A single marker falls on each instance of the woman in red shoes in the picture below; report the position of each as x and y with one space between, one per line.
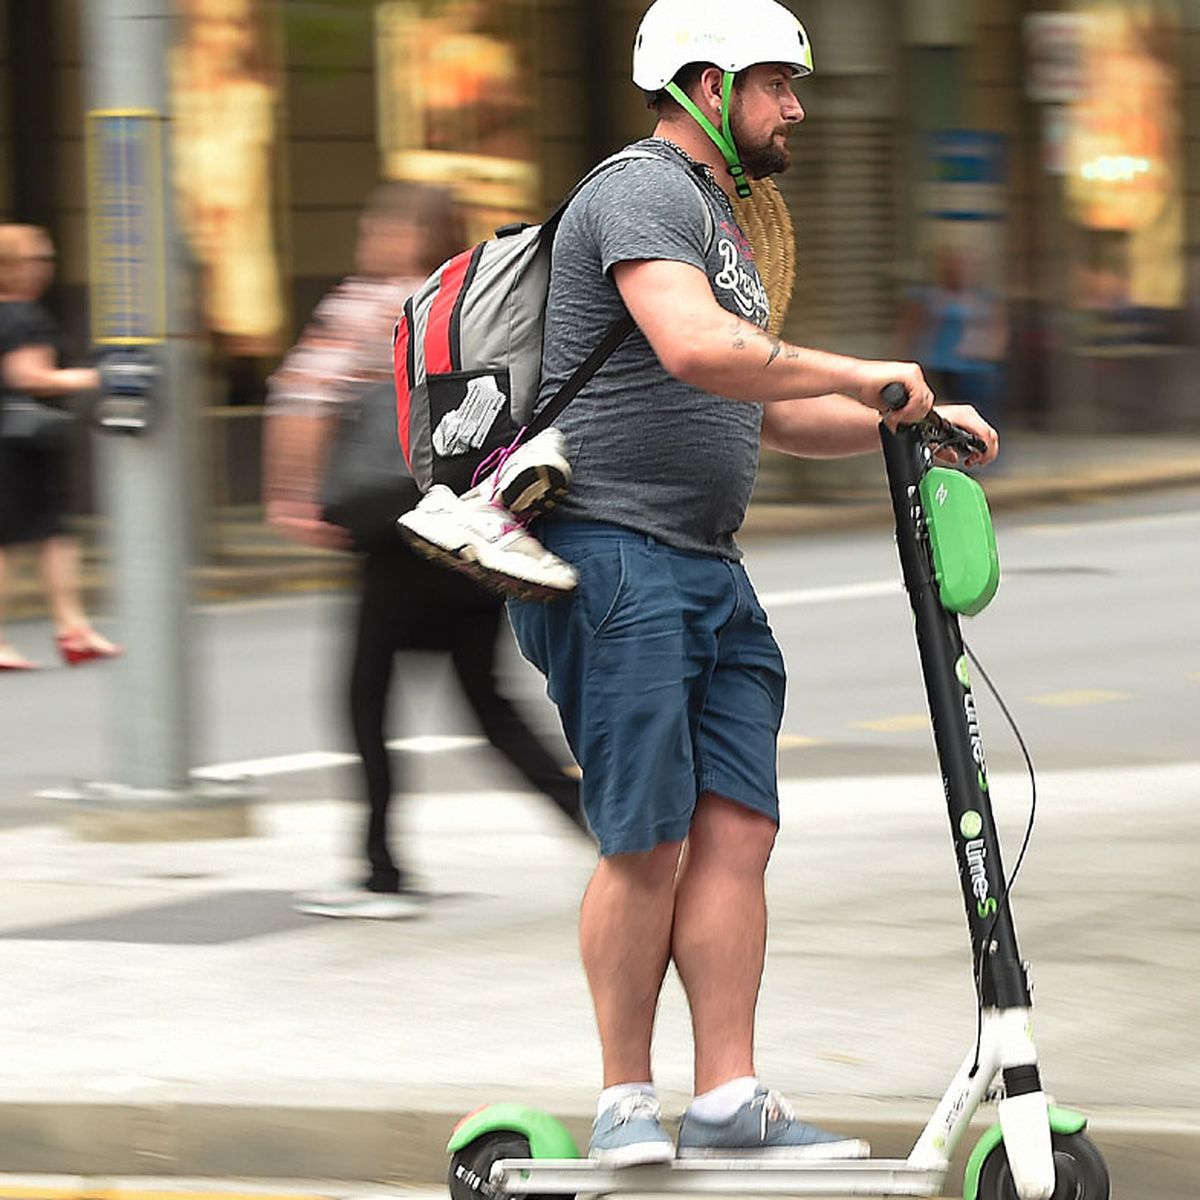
33 462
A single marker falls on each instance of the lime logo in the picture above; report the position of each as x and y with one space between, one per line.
941 495
971 824
973 734
960 669
976 866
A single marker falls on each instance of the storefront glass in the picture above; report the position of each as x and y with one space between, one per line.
1123 173
455 101
224 101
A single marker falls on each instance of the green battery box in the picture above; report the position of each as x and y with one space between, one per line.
962 539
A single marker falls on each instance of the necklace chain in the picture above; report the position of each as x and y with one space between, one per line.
702 170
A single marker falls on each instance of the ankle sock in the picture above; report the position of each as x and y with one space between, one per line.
618 1091
723 1101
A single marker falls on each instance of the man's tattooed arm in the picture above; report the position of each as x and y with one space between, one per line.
778 347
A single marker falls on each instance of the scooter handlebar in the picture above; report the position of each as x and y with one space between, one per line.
933 427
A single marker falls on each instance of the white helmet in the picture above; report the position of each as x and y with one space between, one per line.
732 34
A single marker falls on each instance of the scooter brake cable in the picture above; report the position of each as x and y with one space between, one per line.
1006 890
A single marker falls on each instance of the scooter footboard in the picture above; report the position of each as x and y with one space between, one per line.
730 1177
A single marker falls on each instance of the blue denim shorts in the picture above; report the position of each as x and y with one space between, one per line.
667 678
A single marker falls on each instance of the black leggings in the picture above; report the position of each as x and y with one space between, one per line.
407 603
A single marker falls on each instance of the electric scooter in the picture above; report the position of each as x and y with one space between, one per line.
1036 1150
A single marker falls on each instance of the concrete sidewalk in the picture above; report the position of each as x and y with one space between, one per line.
247 558
167 1012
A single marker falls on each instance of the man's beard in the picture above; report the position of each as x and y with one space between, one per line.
769 158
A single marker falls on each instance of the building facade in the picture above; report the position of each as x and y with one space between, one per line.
1041 160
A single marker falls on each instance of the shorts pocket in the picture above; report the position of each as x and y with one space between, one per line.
603 585
627 595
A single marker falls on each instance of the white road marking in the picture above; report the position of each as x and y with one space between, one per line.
831 595
319 760
283 764
1054 530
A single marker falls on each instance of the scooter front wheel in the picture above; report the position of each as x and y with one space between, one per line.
1079 1171
471 1167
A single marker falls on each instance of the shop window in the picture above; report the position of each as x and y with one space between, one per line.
455 89
223 98
1123 175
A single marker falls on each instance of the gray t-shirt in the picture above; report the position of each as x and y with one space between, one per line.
649 451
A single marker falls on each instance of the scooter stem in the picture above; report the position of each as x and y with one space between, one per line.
1002 979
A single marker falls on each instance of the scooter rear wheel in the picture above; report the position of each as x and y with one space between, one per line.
1079 1171
471 1167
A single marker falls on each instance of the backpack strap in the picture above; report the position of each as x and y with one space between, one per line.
618 331
624 325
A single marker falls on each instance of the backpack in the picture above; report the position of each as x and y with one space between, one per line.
468 349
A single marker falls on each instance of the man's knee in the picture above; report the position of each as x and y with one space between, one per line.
739 837
652 870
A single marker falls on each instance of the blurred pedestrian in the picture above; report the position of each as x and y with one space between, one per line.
956 327
405 602
34 446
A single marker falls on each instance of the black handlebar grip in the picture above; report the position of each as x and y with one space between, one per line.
895 395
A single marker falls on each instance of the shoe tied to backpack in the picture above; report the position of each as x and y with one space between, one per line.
528 478
474 534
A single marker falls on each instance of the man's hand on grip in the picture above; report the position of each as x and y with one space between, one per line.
873 377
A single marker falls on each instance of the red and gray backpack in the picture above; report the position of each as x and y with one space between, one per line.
468 349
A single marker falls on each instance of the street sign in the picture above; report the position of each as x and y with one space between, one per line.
125 227
966 176
1054 56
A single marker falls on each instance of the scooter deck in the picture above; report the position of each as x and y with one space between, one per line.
728 1176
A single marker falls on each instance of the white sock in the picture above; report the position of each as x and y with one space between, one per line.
618 1091
722 1102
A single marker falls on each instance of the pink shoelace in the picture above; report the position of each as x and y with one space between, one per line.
494 464
496 460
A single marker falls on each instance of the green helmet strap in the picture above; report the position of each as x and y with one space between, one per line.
723 137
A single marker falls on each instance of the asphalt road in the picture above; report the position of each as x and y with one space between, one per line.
1090 640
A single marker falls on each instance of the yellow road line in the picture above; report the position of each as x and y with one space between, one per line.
900 724
797 741
1079 698
848 1060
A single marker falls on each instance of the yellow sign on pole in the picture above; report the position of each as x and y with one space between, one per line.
127 249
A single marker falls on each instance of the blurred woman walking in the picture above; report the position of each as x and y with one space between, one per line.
34 445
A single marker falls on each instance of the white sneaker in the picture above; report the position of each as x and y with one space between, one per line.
474 534
533 478
359 902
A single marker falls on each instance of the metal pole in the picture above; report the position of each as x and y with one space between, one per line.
143 320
